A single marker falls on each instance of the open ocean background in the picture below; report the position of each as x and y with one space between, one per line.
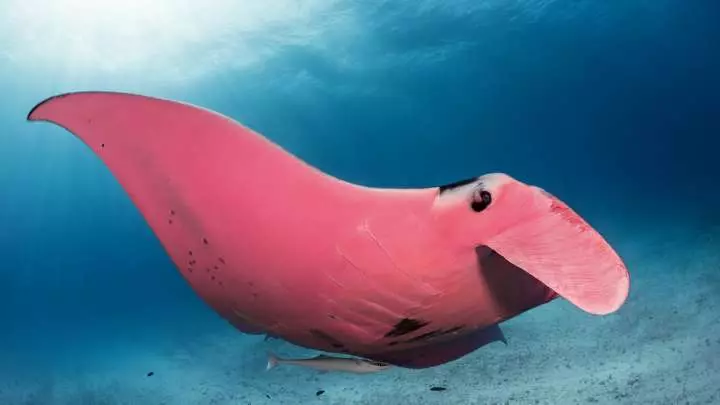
613 106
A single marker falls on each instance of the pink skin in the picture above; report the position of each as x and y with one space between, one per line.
274 245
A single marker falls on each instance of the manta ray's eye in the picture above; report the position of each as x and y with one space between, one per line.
481 200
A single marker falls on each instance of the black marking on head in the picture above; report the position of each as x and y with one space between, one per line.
481 200
327 338
405 326
456 184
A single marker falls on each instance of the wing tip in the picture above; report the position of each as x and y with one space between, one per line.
32 115
35 112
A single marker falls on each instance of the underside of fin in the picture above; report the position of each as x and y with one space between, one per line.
443 352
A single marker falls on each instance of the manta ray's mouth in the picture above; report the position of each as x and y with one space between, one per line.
513 289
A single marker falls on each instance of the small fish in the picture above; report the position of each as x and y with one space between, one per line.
330 363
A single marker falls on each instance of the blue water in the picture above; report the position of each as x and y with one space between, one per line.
613 106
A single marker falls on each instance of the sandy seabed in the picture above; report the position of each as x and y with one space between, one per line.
662 347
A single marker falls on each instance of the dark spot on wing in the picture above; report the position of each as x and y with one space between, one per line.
320 392
434 334
454 329
436 388
405 326
425 336
456 184
150 374
327 338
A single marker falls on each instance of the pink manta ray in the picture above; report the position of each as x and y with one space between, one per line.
412 277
